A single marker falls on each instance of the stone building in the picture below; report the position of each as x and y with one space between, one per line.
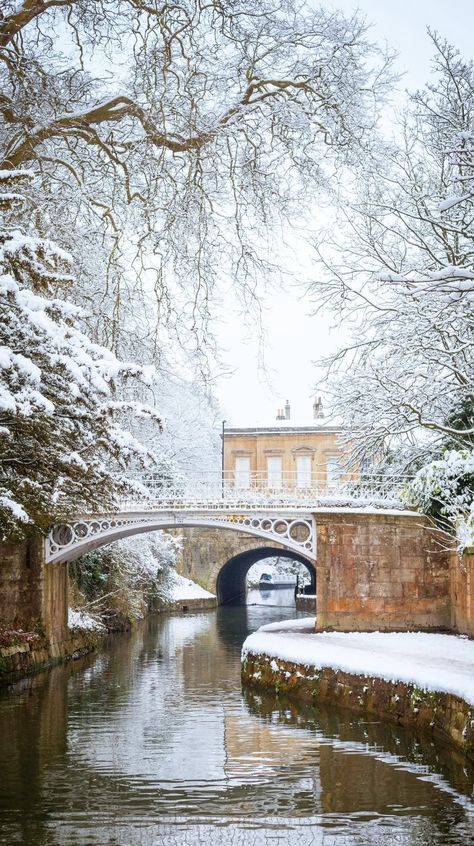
286 454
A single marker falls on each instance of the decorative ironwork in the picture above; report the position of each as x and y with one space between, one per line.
67 541
212 490
281 514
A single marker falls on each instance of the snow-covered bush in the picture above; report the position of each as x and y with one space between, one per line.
445 490
147 562
83 621
62 444
128 575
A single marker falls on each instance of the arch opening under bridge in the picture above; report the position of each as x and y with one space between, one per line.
231 580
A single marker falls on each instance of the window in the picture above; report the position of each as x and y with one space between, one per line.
274 472
242 472
333 468
303 471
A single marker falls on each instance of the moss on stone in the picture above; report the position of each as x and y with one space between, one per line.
439 714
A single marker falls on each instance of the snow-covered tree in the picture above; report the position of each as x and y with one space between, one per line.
402 282
63 445
190 442
444 488
171 139
404 278
126 576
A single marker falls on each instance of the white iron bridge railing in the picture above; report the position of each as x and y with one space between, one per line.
229 491
281 510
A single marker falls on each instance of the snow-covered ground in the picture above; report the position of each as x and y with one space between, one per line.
183 588
435 662
82 620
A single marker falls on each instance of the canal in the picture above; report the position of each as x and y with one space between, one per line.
153 741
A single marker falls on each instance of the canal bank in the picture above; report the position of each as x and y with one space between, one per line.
27 652
414 679
23 653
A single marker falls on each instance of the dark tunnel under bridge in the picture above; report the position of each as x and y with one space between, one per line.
231 579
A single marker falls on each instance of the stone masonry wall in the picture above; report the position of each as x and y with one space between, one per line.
462 592
205 551
33 595
379 571
55 605
374 571
21 584
440 714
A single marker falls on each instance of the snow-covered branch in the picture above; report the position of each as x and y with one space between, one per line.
62 445
174 172
401 278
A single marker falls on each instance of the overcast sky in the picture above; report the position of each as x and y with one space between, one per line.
295 340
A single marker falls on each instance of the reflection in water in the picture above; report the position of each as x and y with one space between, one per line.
154 741
279 597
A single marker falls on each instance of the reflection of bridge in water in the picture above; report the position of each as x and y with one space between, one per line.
283 514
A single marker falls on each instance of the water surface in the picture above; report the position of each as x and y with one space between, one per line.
153 741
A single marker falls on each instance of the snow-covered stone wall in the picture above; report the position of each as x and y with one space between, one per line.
443 715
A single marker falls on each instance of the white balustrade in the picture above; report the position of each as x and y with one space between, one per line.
213 490
283 514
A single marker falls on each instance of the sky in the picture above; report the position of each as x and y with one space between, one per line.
251 394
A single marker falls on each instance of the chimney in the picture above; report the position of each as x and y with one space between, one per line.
318 408
280 414
287 410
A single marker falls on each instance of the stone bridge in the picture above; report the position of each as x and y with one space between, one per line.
374 567
374 570
381 569
219 561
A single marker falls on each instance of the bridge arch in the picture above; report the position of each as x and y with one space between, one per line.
230 585
67 541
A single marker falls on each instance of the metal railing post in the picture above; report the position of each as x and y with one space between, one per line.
223 457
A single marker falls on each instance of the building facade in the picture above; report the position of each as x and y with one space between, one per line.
285 455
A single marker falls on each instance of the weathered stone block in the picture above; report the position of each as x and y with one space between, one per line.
441 715
388 572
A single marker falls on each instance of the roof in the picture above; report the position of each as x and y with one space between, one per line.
282 430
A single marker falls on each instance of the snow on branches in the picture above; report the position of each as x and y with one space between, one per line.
445 489
400 277
175 137
62 442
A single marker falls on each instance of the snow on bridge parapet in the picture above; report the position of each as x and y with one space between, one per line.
291 526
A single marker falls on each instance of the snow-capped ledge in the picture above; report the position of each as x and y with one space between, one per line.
410 677
182 588
438 662
186 595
